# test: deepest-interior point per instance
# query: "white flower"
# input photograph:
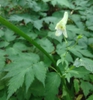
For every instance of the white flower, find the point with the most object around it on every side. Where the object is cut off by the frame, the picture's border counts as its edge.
(61, 26)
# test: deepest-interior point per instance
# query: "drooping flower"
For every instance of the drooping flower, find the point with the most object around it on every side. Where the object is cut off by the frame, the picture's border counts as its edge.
(61, 26)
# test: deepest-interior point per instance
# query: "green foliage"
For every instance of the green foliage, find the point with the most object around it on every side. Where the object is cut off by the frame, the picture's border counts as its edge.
(90, 97)
(87, 89)
(29, 69)
(87, 63)
(61, 69)
(52, 83)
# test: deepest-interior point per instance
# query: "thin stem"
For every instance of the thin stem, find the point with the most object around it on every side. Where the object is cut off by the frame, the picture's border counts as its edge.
(21, 33)
(56, 71)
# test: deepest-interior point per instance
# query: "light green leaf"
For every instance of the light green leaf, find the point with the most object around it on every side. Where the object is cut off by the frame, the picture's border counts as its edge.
(79, 72)
(18, 18)
(9, 35)
(76, 19)
(86, 53)
(86, 87)
(38, 24)
(49, 19)
(2, 62)
(29, 78)
(46, 44)
(20, 66)
(52, 35)
(85, 62)
(12, 51)
(69, 57)
(61, 48)
(15, 83)
(19, 46)
(89, 23)
(1, 33)
(52, 83)
(40, 72)
(83, 42)
(75, 52)
(3, 44)
(61, 2)
(4, 2)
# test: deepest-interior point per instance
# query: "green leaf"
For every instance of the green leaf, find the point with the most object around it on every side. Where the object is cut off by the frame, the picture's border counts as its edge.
(4, 2)
(33, 5)
(52, 35)
(79, 72)
(83, 42)
(29, 78)
(91, 77)
(37, 88)
(46, 44)
(3, 44)
(18, 18)
(86, 87)
(12, 51)
(90, 97)
(40, 72)
(89, 23)
(1, 33)
(38, 24)
(3, 97)
(2, 62)
(76, 85)
(69, 57)
(52, 84)
(24, 67)
(2, 59)
(19, 46)
(46, 0)
(61, 2)
(77, 19)
(61, 48)
(9, 35)
(15, 83)
(86, 53)
(90, 42)
(74, 29)
(85, 62)
(49, 19)
(20, 66)
(75, 52)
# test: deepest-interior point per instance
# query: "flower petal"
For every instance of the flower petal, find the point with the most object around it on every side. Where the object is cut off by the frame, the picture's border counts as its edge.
(64, 19)
(65, 33)
(58, 32)
(61, 26)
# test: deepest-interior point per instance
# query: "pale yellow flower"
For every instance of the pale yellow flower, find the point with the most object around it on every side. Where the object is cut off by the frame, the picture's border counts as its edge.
(61, 26)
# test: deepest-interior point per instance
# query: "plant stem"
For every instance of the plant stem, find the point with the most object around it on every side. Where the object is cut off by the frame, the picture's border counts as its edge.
(21, 33)
(56, 71)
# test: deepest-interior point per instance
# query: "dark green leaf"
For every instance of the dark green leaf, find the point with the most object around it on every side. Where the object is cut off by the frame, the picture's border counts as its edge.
(86, 87)
(76, 85)
(52, 83)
